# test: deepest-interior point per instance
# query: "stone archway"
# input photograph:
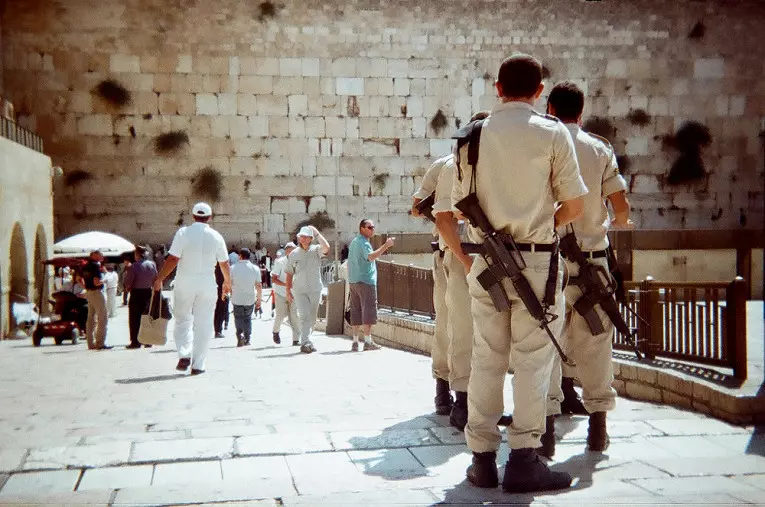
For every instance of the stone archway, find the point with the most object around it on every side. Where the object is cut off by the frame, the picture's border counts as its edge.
(41, 272)
(18, 273)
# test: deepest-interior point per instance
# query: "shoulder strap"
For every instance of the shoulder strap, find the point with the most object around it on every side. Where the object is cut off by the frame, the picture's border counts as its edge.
(470, 134)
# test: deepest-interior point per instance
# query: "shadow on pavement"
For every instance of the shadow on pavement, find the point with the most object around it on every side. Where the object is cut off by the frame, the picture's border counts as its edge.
(581, 467)
(166, 351)
(756, 444)
(143, 380)
(276, 356)
(694, 370)
(60, 351)
(337, 353)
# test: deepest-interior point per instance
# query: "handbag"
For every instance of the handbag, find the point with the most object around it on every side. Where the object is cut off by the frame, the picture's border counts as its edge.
(153, 329)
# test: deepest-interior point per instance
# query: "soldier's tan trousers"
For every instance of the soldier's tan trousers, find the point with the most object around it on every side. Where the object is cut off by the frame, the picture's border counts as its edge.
(439, 350)
(592, 354)
(460, 326)
(497, 335)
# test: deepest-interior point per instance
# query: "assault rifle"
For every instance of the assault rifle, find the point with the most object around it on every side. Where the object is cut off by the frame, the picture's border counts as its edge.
(505, 261)
(425, 207)
(598, 288)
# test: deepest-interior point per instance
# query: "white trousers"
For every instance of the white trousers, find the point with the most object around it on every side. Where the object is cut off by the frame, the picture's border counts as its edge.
(307, 304)
(111, 302)
(194, 307)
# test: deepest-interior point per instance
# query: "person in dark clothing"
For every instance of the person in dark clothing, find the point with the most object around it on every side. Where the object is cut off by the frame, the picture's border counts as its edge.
(92, 280)
(138, 281)
(221, 306)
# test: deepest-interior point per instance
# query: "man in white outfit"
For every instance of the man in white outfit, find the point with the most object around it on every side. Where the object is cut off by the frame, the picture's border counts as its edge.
(284, 309)
(111, 280)
(195, 251)
(304, 281)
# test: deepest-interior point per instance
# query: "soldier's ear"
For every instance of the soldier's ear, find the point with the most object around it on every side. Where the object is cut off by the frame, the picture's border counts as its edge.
(540, 89)
(498, 86)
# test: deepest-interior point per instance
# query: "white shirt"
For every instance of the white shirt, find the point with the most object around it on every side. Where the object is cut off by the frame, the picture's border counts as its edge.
(278, 271)
(601, 175)
(526, 163)
(111, 279)
(199, 247)
(244, 276)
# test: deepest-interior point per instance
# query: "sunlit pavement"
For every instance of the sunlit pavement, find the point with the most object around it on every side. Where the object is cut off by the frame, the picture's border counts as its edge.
(267, 425)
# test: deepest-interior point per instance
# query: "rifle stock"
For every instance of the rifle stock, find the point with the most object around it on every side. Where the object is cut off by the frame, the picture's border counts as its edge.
(425, 207)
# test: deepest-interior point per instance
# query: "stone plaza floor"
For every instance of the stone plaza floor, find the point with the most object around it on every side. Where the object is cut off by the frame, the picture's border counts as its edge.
(267, 425)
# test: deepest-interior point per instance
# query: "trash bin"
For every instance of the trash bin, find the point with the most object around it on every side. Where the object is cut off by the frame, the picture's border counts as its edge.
(335, 307)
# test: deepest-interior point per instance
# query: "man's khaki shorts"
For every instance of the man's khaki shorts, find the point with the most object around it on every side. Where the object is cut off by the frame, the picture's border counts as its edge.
(363, 304)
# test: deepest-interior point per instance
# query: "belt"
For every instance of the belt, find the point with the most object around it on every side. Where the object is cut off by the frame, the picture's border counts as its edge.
(475, 248)
(593, 254)
(436, 248)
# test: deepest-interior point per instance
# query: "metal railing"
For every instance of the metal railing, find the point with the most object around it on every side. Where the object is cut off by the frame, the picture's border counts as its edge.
(16, 133)
(405, 288)
(700, 322)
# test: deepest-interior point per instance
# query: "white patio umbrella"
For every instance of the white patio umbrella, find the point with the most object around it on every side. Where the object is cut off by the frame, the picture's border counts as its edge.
(81, 245)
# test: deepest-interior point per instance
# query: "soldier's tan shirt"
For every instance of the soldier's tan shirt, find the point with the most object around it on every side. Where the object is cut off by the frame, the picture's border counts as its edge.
(430, 182)
(526, 163)
(600, 172)
(443, 197)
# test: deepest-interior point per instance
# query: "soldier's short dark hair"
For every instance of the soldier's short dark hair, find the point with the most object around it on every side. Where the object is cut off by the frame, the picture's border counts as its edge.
(568, 101)
(520, 76)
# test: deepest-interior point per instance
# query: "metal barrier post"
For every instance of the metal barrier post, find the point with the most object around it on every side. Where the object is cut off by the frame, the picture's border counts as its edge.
(736, 295)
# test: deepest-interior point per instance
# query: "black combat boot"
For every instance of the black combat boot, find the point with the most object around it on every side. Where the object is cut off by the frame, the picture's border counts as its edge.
(483, 472)
(548, 438)
(597, 436)
(443, 398)
(505, 420)
(571, 403)
(525, 472)
(459, 416)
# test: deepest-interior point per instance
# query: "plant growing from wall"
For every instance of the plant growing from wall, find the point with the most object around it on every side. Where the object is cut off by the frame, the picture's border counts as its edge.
(268, 10)
(378, 182)
(321, 220)
(170, 142)
(74, 178)
(438, 122)
(207, 183)
(639, 117)
(113, 92)
(690, 140)
(698, 31)
(600, 126)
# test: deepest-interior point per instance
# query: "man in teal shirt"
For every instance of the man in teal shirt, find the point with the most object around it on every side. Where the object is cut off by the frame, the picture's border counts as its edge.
(362, 279)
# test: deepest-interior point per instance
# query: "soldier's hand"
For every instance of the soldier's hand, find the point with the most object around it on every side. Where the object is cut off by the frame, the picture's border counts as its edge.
(225, 290)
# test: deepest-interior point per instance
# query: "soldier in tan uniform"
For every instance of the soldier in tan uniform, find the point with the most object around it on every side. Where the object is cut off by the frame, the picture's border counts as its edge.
(592, 354)
(527, 181)
(439, 350)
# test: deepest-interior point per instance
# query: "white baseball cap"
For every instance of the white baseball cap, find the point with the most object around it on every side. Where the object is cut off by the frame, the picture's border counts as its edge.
(290, 245)
(306, 231)
(201, 209)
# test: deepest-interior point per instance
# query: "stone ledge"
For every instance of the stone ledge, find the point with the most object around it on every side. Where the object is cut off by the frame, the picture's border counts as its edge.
(640, 381)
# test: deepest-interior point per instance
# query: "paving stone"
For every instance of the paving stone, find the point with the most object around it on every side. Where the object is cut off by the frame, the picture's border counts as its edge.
(325, 473)
(648, 500)
(694, 486)
(40, 482)
(706, 466)
(758, 481)
(449, 435)
(88, 456)
(692, 446)
(391, 464)
(407, 497)
(384, 440)
(282, 443)
(95, 498)
(10, 459)
(183, 494)
(192, 472)
(146, 436)
(230, 431)
(116, 477)
(175, 450)
(269, 475)
(705, 426)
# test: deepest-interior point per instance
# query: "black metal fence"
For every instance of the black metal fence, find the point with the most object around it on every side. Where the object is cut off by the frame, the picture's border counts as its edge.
(18, 134)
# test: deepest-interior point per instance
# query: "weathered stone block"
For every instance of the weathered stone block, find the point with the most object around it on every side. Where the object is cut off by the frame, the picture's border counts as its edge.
(124, 63)
(440, 147)
(297, 105)
(184, 64)
(95, 125)
(677, 400)
(290, 67)
(648, 376)
(272, 105)
(227, 104)
(207, 104)
(643, 392)
(259, 85)
(349, 86)
(708, 68)
(258, 126)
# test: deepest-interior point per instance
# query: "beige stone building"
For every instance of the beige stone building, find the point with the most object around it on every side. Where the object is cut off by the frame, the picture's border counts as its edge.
(26, 222)
(294, 108)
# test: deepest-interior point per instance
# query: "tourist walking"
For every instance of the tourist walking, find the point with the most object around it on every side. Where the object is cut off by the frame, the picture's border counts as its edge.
(246, 292)
(138, 281)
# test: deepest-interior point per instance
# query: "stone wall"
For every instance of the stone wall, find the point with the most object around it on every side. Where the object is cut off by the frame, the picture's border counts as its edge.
(279, 99)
